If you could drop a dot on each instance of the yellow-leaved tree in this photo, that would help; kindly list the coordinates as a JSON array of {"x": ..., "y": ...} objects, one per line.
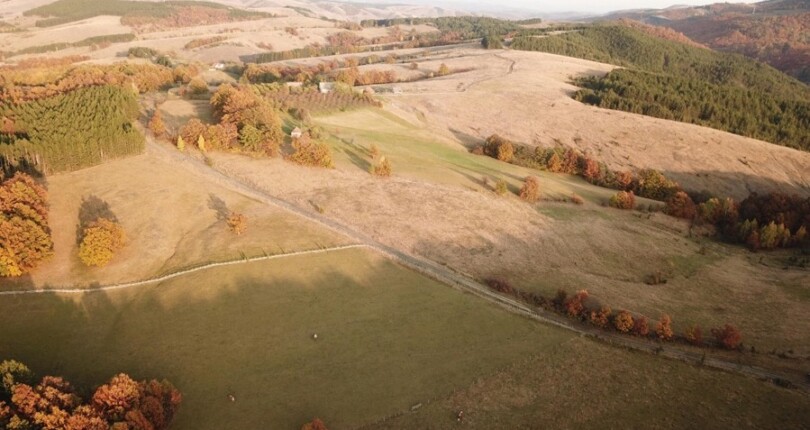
[{"x": 100, "y": 241}]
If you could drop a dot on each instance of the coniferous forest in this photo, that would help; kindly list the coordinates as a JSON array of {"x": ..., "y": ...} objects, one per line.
[
  {"x": 68, "y": 131},
  {"x": 671, "y": 80}
]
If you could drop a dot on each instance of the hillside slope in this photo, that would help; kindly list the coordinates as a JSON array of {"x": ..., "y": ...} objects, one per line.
[{"x": 776, "y": 32}]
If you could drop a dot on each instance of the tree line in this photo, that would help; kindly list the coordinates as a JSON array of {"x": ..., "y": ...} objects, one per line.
[{"x": 761, "y": 221}]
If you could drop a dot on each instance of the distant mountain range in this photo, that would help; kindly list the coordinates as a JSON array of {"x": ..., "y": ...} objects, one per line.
[{"x": 776, "y": 32}]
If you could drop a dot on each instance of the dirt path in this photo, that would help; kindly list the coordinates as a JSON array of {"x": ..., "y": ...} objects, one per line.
[
  {"x": 176, "y": 274},
  {"x": 465, "y": 283}
]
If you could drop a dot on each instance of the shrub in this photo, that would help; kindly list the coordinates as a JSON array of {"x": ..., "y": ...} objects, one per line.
[
  {"x": 443, "y": 70},
  {"x": 575, "y": 305},
  {"x": 623, "y": 321},
  {"x": 577, "y": 199},
  {"x": 497, "y": 147},
  {"x": 374, "y": 151},
  {"x": 156, "y": 124},
  {"x": 414, "y": 66},
  {"x": 591, "y": 170},
  {"x": 664, "y": 327},
  {"x": 309, "y": 153},
  {"x": 100, "y": 241},
  {"x": 530, "y": 191},
  {"x": 382, "y": 168},
  {"x": 728, "y": 336},
  {"x": 181, "y": 144},
  {"x": 500, "y": 285},
  {"x": 623, "y": 200},
  {"x": 554, "y": 163},
  {"x": 601, "y": 317},
  {"x": 694, "y": 335},
  {"x": 237, "y": 223},
  {"x": 641, "y": 327},
  {"x": 197, "y": 86},
  {"x": 681, "y": 205},
  {"x": 501, "y": 187}
]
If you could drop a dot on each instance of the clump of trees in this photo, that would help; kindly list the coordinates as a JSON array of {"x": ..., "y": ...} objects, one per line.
[
  {"x": 530, "y": 191},
  {"x": 53, "y": 403},
  {"x": 25, "y": 237},
  {"x": 101, "y": 240},
  {"x": 499, "y": 148}
]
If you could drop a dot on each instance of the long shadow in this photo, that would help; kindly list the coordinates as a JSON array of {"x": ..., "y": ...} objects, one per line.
[
  {"x": 736, "y": 185},
  {"x": 92, "y": 208},
  {"x": 357, "y": 154},
  {"x": 467, "y": 140},
  {"x": 218, "y": 205}
]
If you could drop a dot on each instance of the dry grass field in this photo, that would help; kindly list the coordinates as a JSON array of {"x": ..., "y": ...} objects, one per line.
[{"x": 396, "y": 349}]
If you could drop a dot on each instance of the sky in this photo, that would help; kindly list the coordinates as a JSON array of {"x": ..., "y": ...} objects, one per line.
[{"x": 590, "y": 6}]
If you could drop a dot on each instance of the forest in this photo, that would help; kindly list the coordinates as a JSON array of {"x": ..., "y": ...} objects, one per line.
[
  {"x": 675, "y": 81},
  {"x": 69, "y": 131}
]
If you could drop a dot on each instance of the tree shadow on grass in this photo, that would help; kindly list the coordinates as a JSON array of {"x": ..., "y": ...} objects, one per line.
[
  {"x": 218, "y": 205},
  {"x": 91, "y": 209}
]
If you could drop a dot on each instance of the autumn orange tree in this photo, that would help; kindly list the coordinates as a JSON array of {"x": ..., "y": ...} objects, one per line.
[
  {"x": 156, "y": 124},
  {"x": 664, "y": 327},
  {"x": 25, "y": 238},
  {"x": 575, "y": 305},
  {"x": 309, "y": 153},
  {"x": 101, "y": 239},
  {"x": 623, "y": 321},
  {"x": 623, "y": 200},
  {"x": 237, "y": 223},
  {"x": 728, "y": 336},
  {"x": 54, "y": 404},
  {"x": 530, "y": 191}
]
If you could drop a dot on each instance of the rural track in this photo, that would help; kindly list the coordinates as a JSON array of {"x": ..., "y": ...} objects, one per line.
[
  {"x": 467, "y": 284},
  {"x": 158, "y": 279}
]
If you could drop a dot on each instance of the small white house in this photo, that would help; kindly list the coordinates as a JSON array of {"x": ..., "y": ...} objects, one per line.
[
  {"x": 296, "y": 133},
  {"x": 219, "y": 66},
  {"x": 326, "y": 87}
]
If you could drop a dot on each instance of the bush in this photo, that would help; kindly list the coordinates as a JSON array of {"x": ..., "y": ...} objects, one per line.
[
  {"x": 382, "y": 168},
  {"x": 501, "y": 188},
  {"x": 623, "y": 200},
  {"x": 530, "y": 191},
  {"x": 664, "y": 327},
  {"x": 728, "y": 336},
  {"x": 315, "y": 424},
  {"x": 198, "y": 86},
  {"x": 237, "y": 223},
  {"x": 694, "y": 335},
  {"x": 577, "y": 199},
  {"x": 500, "y": 285},
  {"x": 100, "y": 241},
  {"x": 623, "y": 321},
  {"x": 497, "y": 147},
  {"x": 443, "y": 70},
  {"x": 156, "y": 124}
]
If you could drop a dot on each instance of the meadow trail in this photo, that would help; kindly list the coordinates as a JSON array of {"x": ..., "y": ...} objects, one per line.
[
  {"x": 172, "y": 275},
  {"x": 466, "y": 283}
]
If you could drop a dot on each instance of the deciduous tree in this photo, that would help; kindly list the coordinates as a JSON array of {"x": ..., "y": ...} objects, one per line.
[
  {"x": 100, "y": 241},
  {"x": 530, "y": 191}
]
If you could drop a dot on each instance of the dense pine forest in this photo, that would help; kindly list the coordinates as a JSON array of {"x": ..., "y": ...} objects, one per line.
[
  {"x": 675, "y": 81},
  {"x": 69, "y": 131}
]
